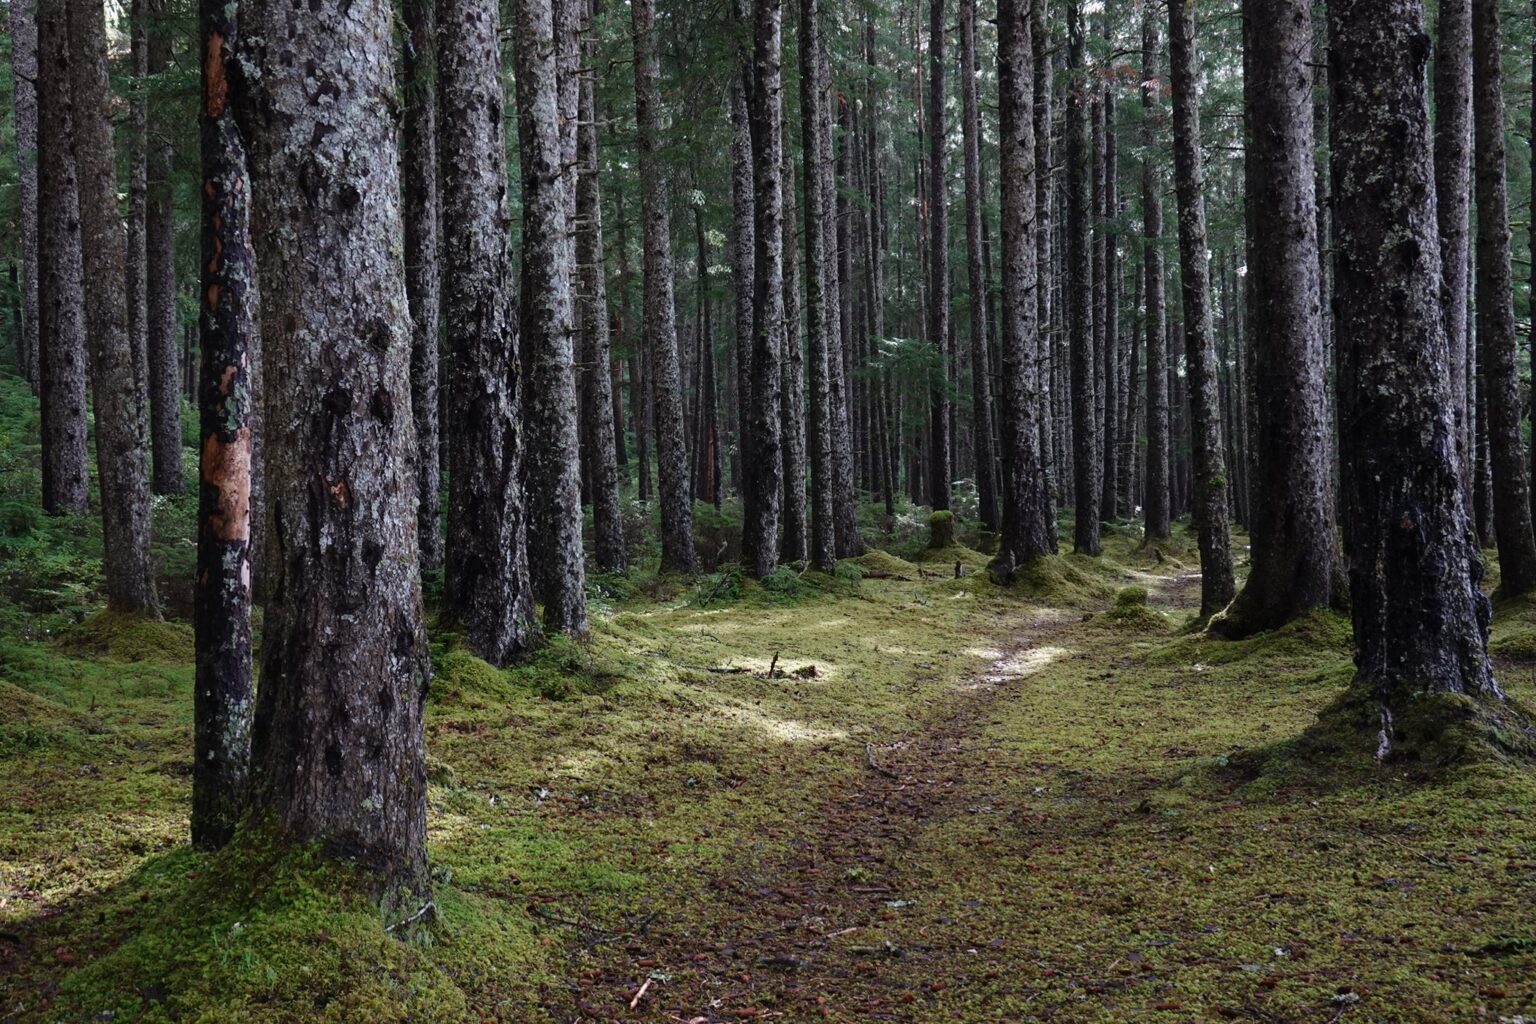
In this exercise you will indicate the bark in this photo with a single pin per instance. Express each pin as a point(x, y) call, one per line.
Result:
point(1079, 284)
point(122, 451)
point(1109, 499)
point(1217, 586)
point(61, 324)
point(486, 591)
point(795, 542)
point(227, 399)
point(136, 145)
point(161, 344)
point(840, 336)
point(1025, 499)
point(548, 335)
point(1421, 623)
point(981, 383)
point(337, 739)
point(814, 126)
point(1495, 311)
point(939, 441)
point(423, 274)
point(1453, 196)
point(1045, 311)
point(743, 241)
point(705, 451)
point(24, 82)
point(763, 466)
point(677, 553)
point(600, 406)
point(1158, 487)
point(1291, 514)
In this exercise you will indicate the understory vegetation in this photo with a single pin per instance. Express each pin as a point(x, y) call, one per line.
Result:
point(893, 793)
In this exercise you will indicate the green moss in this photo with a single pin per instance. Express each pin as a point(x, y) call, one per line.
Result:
point(1130, 612)
point(1064, 581)
point(124, 637)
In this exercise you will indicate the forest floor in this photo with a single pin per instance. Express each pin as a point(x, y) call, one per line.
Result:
point(888, 795)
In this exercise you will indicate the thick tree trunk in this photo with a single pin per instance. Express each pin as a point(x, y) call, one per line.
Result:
point(981, 383)
point(227, 397)
point(1079, 284)
point(677, 553)
point(24, 82)
point(1496, 340)
point(1158, 486)
point(604, 418)
point(61, 332)
point(423, 275)
point(1421, 624)
point(548, 335)
point(486, 590)
point(162, 344)
point(1025, 497)
point(818, 272)
point(1291, 521)
point(764, 465)
point(1209, 464)
point(939, 441)
point(122, 451)
point(337, 739)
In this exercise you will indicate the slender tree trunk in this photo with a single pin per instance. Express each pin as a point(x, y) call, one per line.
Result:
point(1045, 310)
point(161, 343)
point(840, 348)
point(1421, 623)
point(135, 143)
point(981, 384)
point(1025, 536)
point(227, 397)
point(742, 243)
point(939, 441)
point(818, 272)
point(423, 275)
point(24, 82)
point(1079, 284)
point(763, 467)
point(1109, 500)
point(792, 373)
point(1217, 586)
point(338, 749)
point(677, 553)
point(604, 417)
point(1495, 313)
point(1291, 521)
point(486, 590)
point(1159, 495)
point(548, 335)
point(61, 345)
point(1453, 195)
point(122, 451)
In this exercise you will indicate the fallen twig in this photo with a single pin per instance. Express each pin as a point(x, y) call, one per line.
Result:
point(640, 994)
point(426, 909)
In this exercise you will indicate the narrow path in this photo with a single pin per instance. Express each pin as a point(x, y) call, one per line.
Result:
point(836, 927)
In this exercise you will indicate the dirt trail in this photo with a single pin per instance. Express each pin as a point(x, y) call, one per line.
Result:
point(790, 937)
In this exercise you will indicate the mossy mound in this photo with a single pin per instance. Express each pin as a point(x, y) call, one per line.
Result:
point(124, 637)
point(970, 559)
point(941, 530)
point(1518, 645)
point(879, 564)
point(1322, 633)
point(1068, 581)
point(1130, 612)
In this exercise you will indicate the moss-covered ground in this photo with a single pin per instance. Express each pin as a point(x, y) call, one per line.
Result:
point(893, 793)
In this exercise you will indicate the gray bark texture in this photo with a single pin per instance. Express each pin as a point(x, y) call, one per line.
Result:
point(162, 341)
point(794, 534)
point(1158, 497)
point(337, 747)
point(486, 592)
point(122, 450)
point(677, 552)
point(61, 324)
point(1453, 201)
point(1421, 622)
point(981, 376)
point(818, 271)
point(24, 82)
point(1079, 284)
point(1044, 156)
point(940, 463)
point(743, 239)
point(1291, 523)
point(548, 335)
point(1209, 490)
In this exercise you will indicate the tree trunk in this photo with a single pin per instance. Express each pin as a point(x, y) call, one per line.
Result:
point(1421, 623)
point(763, 466)
point(1291, 520)
point(1045, 310)
point(742, 244)
point(677, 554)
point(604, 422)
point(1085, 422)
point(227, 398)
point(1025, 536)
point(939, 441)
point(423, 275)
point(1453, 198)
point(61, 325)
point(122, 452)
point(1159, 494)
point(548, 335)
point(25, 81)
point(981, 383)
point(486, 589)
point(136, 147)
point(1495, 313)
point(818, 271)
point(1109, 498)
point(840, 348)
point(792, 371)
point(161, 342)
point(337, 737)
point(1209, 464)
